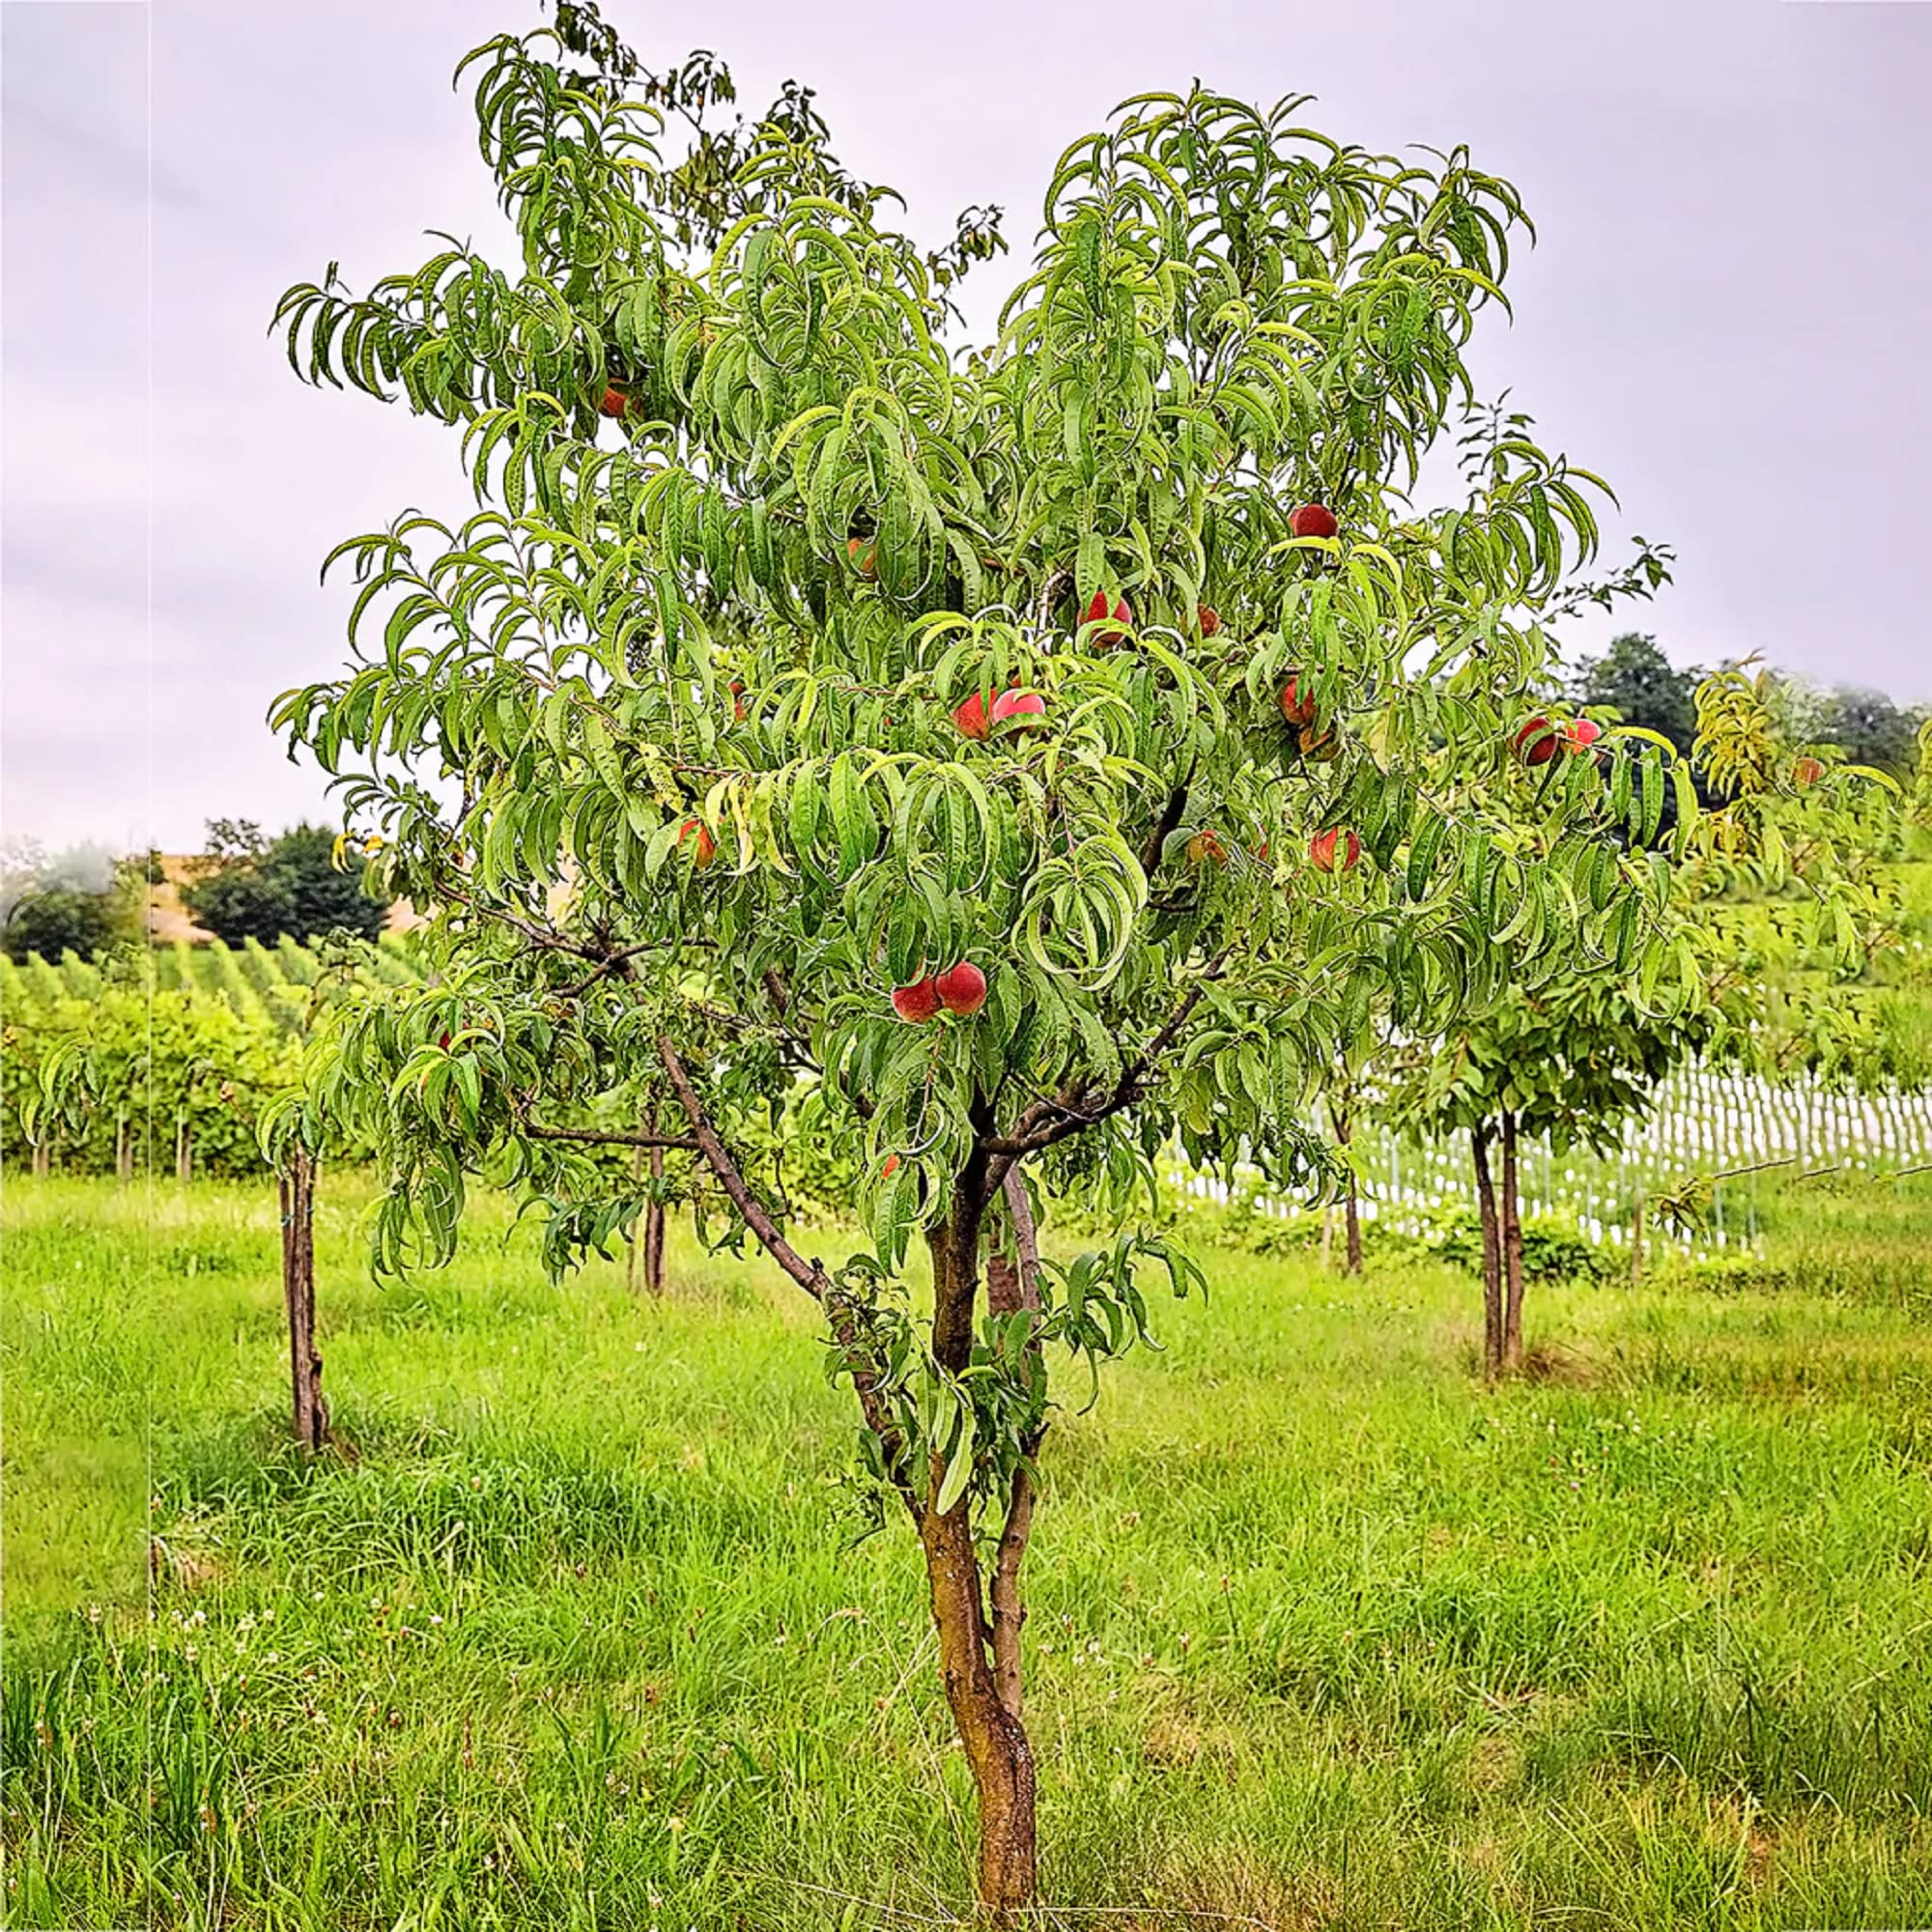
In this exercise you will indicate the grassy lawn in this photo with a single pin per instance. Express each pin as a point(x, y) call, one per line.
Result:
point(577, 1633)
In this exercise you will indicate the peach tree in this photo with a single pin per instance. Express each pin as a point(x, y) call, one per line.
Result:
point(1781, 906)
point(930, 745)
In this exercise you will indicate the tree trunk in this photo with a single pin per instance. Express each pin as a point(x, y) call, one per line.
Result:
point(1637, 1238)
point(1512, 1249)
point(647, 1240)
point(183, 1152)
point(1480, 1138)
point(44, 1160)
point(654, 1232)
point(123, 1150)
point(298, 1190)
point(997, 1749)
point(633, 1252)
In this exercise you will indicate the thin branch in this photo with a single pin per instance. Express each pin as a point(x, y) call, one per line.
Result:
point(547, 937)
point(808, 1275)
point(1057, 581)
point(1166, 824)
point(1026, 1237)
point(1009, 1604)
point(612, 1137)
point(611, 964)
point(1046, 1123)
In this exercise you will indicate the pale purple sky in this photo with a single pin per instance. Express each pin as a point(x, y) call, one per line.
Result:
point(1727, 313)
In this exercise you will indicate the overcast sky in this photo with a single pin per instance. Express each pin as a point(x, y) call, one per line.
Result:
point(1726, 314)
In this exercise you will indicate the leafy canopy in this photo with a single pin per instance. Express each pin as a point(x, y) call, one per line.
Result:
point(1781, 908)
point(664, 734)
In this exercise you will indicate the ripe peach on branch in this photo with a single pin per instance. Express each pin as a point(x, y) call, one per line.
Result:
point(1099, 610)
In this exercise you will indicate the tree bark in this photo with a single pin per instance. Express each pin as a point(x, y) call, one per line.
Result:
point(1512, 1207)
point(1016, 1287)
point(654, 1232)
point(44, 1160)
point(183, 1152)
point(984, 1708)
point(310, 1412)
point(123, 1150)
point(997, 1749)
point(1480, 1138)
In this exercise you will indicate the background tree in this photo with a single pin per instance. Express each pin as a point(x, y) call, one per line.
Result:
point(1870, 728)
point(1780, 907)
point(188, 1064)
point(1634, 678)
point(83, 901)
point(825, 709)
point(299, 884)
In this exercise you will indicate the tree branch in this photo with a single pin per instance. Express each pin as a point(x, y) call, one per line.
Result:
point(1008, 1606)
point(1166, 824)
point(1057, 580)
point(600, 1137)
point(1047, 1123)
point(546, 937)
point(611, 964)
point(810, 1275)
point(1026, 1237)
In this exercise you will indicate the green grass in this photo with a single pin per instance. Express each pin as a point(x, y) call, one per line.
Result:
point(1323, 1636)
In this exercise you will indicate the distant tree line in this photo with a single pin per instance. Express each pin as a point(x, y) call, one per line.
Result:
point(1867, 726)
point(245, 886)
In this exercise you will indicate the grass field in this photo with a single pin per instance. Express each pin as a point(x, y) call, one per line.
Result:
point(1323, 1636)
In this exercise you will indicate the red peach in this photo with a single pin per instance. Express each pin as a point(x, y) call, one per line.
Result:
point(917, 1004)
point(704, 847)
point(1296, 708)
point(961, 988)
point(1313, 519)
point(1537, 741)
point(1098, 611)
point(1027, 706)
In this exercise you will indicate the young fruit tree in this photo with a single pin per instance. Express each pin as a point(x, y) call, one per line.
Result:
point(932, 743)
point(1779, 905)
point(152, 1058)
